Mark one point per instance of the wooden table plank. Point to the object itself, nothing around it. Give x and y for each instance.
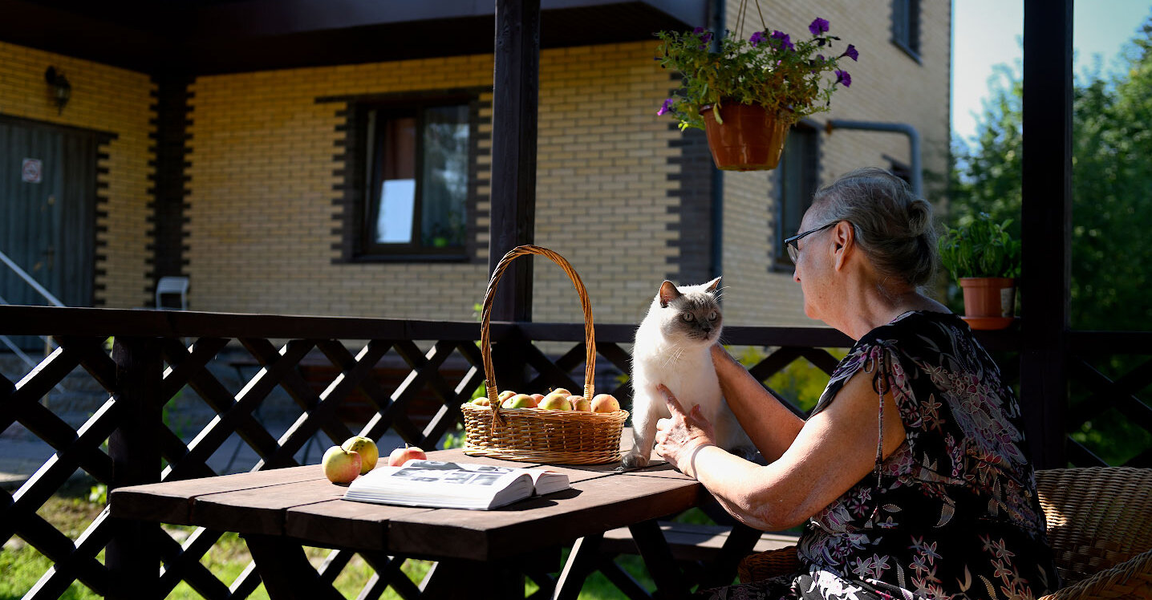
(260, 510)
(171, 501)
(590, 507)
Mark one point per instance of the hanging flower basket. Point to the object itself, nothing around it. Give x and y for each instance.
(750, 138)
(767, 81)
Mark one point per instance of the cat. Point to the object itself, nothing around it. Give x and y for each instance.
(673, 347)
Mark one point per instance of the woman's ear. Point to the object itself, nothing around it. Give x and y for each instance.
(844, 237)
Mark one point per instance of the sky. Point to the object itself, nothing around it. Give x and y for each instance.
(988, 32)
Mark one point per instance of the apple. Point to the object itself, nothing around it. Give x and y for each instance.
(482, 401)
(555, 401)
(506, 394)
(605, 403)
(367, 450)
(340, 465)
(400, 456)
(561, 391)
(519, 401)
(580, 403)
(538, 398)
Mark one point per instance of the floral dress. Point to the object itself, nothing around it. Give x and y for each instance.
(953, 512)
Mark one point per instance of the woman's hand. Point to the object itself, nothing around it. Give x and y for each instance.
(680, 437)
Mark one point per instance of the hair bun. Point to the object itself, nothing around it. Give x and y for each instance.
(919, 217)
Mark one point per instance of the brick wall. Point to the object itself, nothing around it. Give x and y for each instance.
(106, 99)
(262, 189)
(887, 86)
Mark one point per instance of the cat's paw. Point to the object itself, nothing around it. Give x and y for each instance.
(635, 460)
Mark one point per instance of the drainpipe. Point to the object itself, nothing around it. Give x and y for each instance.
(906, 129)
(718, 25)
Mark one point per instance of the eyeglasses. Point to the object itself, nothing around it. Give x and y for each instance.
(792, 243)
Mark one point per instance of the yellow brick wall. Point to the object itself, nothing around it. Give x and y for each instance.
(887, 86)
(261, 226)
(602, 181)
(106, 99)
(261, 216)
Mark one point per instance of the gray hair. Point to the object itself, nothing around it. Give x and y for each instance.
(893, 227)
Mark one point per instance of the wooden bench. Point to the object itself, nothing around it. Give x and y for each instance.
(691, 542)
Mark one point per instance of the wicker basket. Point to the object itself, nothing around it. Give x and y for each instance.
(533, 434)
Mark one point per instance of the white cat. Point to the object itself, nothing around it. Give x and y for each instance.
(673, 348)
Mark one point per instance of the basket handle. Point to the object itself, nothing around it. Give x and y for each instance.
(486, 318)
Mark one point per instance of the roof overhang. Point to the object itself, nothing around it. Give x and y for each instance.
(199, 37)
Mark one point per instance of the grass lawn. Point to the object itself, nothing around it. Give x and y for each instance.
(22, 565)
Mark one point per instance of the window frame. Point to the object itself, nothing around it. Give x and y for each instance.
(780, 261)
(363, 210)
(906, 30)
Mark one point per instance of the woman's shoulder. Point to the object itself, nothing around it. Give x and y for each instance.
(916, 327)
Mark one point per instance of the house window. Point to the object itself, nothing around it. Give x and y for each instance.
(906, 26)
(417, 179)
(797, 184)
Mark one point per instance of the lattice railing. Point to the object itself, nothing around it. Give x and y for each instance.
(324, 365)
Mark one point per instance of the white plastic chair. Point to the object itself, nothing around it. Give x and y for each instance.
(175, 286)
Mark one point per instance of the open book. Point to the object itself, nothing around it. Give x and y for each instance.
(452, 485)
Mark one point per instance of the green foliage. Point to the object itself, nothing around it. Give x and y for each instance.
(767, 70)
(980, 248)
(1111, 178)
(800, 382)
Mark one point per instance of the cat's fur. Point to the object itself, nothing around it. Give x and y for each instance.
(672, 347)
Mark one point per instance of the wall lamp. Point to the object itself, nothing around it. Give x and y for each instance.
(61, 89)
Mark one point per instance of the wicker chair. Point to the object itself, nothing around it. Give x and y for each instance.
(1099, 526)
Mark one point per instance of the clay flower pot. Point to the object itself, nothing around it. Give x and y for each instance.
(749, 139)
(989, 302)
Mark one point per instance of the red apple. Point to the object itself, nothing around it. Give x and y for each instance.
(506, 394)
(580, 403)
(482, 401)
(605, 403)
(400, 456)
(538, 398)
(340, 465)
(561, 390)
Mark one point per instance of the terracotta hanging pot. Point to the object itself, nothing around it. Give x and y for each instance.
(989, 302)
(749, 139)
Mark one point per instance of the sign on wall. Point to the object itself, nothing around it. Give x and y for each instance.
(30, 171)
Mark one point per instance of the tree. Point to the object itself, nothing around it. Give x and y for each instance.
(1111, 181)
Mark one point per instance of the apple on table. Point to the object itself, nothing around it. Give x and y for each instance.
(400, 456)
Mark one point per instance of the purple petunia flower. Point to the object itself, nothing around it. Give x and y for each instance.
(851, 52)
(844, 77)
(667, 106)
(818, 26)
(757, 38)
(785, 39)
(705, 36)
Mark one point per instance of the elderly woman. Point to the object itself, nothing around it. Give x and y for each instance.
(911, 476)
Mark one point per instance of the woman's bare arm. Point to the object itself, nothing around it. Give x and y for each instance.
(835, 450)
(768, 423)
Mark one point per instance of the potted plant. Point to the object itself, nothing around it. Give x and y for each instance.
(985, 260)
(748, 93)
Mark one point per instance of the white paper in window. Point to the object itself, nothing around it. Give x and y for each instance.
(394, 223)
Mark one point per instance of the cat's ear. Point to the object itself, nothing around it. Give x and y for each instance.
(711, 285)
(668, 293)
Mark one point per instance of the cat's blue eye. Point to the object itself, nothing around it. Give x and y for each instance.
(687, 317)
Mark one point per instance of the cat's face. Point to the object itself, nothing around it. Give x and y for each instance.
(690, 314)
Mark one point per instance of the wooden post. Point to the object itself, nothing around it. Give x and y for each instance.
(132, 556)
(1046, 225)
(515, 94)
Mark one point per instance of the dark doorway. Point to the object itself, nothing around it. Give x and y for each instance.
(47, 211)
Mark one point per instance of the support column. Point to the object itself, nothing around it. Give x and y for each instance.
(1046, 226)
(516, 87)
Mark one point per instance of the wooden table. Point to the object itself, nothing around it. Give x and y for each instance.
(479, 553)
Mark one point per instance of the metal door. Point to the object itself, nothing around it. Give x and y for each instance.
(47, 212)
